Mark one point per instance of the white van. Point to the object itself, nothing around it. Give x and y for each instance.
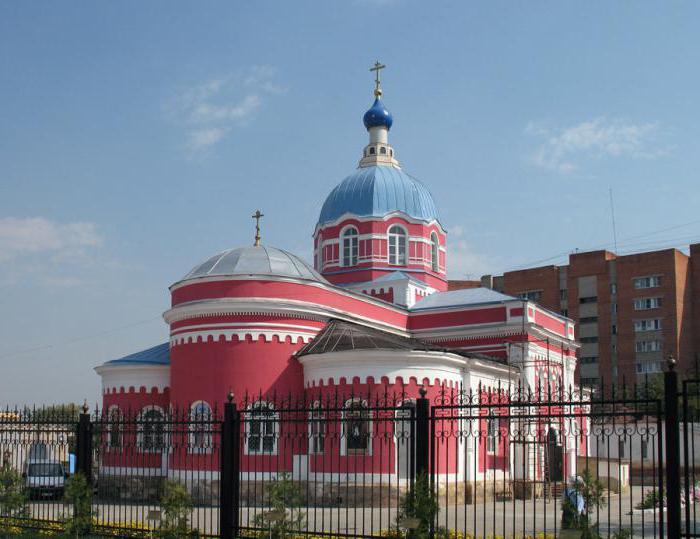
(45, 478)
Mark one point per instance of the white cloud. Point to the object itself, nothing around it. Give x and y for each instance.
(201, 139)
(33, 235)
(210, 111)
(463, 262)
(565, 148)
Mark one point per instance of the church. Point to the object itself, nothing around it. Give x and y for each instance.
(372, 314)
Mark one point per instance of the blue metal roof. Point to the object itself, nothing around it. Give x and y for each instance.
(158, 355)
(377, 191)
(456, 298)
(378, 115)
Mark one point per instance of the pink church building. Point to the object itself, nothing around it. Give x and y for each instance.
(371, 315)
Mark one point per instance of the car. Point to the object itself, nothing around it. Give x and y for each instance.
(45, 479)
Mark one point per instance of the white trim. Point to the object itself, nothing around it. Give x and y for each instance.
(207, 446)
(364, 408)
(248, 419)
(235, 325)
(320, 369)
(363, 219)
(192, 337)
(341, 248)
(126, 471)
(284, 307)
(140, 441)
(117, 376)
(115, 408)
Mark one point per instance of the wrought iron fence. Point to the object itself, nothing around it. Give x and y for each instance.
(487, 462)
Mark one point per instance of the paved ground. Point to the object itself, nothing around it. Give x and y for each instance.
(502, 518)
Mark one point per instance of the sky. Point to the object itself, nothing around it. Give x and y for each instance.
(137, 139)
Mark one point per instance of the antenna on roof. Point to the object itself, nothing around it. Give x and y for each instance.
(612, 212)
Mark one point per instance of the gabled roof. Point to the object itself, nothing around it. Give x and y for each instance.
(387, 278)
(157, 355)
(463, 297)
(339, 336)
(395, 276)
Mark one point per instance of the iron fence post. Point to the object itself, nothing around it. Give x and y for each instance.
(673, 472)
(422, 433)
(84, 445)
(229, 468)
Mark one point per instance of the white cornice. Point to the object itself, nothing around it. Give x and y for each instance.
(350, 216)
(377, 364)
(228, 334)
(276, 306)
(129, 375)
(275, 278)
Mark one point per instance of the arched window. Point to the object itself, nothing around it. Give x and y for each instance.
(115, 427)
(317, 429)
(357, 428)
(151, 430)
(261, 432)
(492, 431)
(382, 150)
(397, 246)
(350, 246)
(319, 250)
(434, 251)
(200, 427)
(371, 151)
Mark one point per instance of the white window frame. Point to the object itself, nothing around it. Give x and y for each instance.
(140, 437)
(656, 345)
(648, 324)
(269, 428)
(319, 254)
(349, 253)
(434, 252)
(111, 411)
(397, 238)
(644, 304)
(649, 281)
(492, 431)
(200, 420)
(344, 449)
(318, 428)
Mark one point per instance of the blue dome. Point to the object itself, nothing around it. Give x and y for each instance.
(377, 191)
(378, 116)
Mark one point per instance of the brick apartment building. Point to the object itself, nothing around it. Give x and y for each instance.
(632, 311)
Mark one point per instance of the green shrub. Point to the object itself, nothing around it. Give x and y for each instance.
(176, 506)
(13, 498)
(420, 503)
(284, 496)
(78, 492)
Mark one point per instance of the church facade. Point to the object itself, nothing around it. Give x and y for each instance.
(371, 316)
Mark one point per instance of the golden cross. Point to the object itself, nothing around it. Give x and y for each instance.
(257, 215)
(377, 68)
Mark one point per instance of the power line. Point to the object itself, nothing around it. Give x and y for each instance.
(625, 241)
(78, 339)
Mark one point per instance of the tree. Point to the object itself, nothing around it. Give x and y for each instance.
(285, 498)
(79, 493)
(13, 499)
(176, 505)
(420, 503)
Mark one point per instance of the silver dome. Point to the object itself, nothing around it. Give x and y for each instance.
(260, 260)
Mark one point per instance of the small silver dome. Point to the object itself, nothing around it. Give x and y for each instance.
(260, 260)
